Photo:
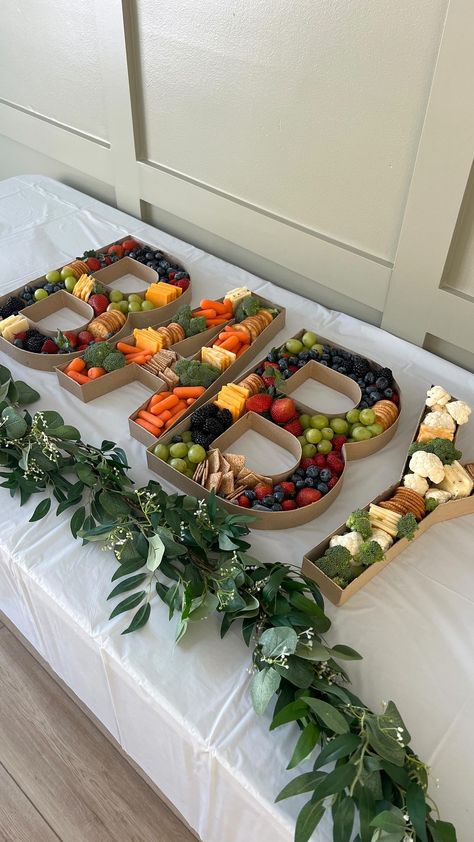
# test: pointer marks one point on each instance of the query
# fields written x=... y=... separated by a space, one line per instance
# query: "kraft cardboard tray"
x=445 y=511
x=53 y=303
x=227 y=376
x=268 y=519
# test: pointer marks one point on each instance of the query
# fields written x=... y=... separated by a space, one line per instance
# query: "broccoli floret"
x=407 y=526
x=430 y=504
x=194 y=373
x=113 y=361
x=191 y=325
x=249 y=306
x=197 y=325
x=369 y=553
x=359 y=522
x=336 y=563
x=442 y=448
x=95 y=354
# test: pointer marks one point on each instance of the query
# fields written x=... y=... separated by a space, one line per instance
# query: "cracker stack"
x=253 y=383
x=226 y=474
x=386 y=413
x=405 y=500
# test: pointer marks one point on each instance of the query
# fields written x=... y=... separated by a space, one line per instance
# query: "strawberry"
x=320 y=460
x=81 y=347
x=332 y=482
x=272 y=365
x=338 y=441
x=333 y=462
x=288 y=488
x=293 y=368
x=171 y=275
x=294 y=427
x=107 y=260
x=129 y=245
x=268 y=381
x=116 y=250
x=49 y=347
x=283 y=410
x=259 y=403
x=306 y=462
x=395 y=399
x=21 y=335
x=307 y=496
x=93 y=264
x=262 y=489
x=244 y=501
x=71 y=338
x=182 y=284
x=287 y=505
x=85 y=337
x=99 y=303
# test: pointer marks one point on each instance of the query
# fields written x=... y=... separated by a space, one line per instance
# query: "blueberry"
x=286 y=374
x=300 y=472
x=277 y=488
x=325 y=357
x=322 y=487
x=382 y=383
x=271 y=357
x=364 y=405
x=361 y=382
x=304 y=355
x=159 y=255
x=325 y=475
x=312 y=471
x=313 y=355
x=324 y=362
x=18 y=343
x=132 y=254
x=370 y=377
x=292 y=360
x=299 y=484
x=176 y=440
x=268 y=500
x=295 y=477
x=337 y=360
x=283 y=364
x=342 y=369
x=250 y=495
x=149 y=255
x=259 y=371
x=277 y=507
x=279 y=496
x=388 y=393
x=301 y=363
x=376 y=395
x=255 y=503
x=353 y=377
x=310 y=482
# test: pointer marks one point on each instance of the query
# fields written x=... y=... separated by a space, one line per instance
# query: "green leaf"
x=305 y=745
x=416 y=809
x=14 y=425
x=396 y=773
x=328 y=714
x=127 y=585
x=156 y=549
x=107 y=445
x=317 y=618
x=443 y=832
x=343 y=813
x=341 y=746
x=366 y=813
x=385 y=745
x=275 y=642
x=4 y=387
x=85 y=474
x=313 y=652
x=12 y=392
x=212 y=506
x=226 y=543
x=335 y=781
x=308 y=819
x=77 y=520
x=270 y=590
x=297 y=672
x=113 y=504
x=52 y=419
x=41 y=510
x=264 y=684
x=26 y=394
x=390 y=820
x=306 y=782
x=127 y=568
x=66 y=503
x=139 y=619
x=130 y=602
x=290 y=713
x=5 y=374
x=207 y=606
x=345 y=653
x=172 y=548
x=66 y=432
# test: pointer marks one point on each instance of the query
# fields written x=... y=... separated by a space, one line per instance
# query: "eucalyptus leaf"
x=156 y=549
x=127 y=585
x=306 y=782
x=390 y=820
x=277 y=642
x=13 y=424
x=127 y=603
x=4 y=387
x=308 y=819
x=343 y=813
x=290 y=713
x=41 y=510
x=341 y=746
x=139 y=619
x=345 y=653
x=328 y=714
x=26 y=394
x=113 y=504
x=66 y=432
x=416 y=809
x=12 y=392
x=443 y=831
x=77 y=520
x=264 y=684
x=305 y=745
x=313 y=652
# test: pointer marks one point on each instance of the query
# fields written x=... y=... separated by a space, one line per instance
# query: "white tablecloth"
x=183 y=712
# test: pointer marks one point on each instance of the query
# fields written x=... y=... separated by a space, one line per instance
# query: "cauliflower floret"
x=459 y=410
x=427 y=465
x=437 y=396
x=352 y=541
x=440 y=419
x=383 y=538
x=438 y=495
x=416 y=483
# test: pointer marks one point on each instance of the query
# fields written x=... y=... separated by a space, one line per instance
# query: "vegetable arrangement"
x=196 y=558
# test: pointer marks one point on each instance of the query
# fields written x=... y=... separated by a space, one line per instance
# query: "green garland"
x=195 y=557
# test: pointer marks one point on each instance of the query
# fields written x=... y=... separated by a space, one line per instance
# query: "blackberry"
x=212 y=427
x=11 y=307
x=225 y=417
x=32 y=332
x=210 y=410
x=203 y=439
x=35 y=343
x=360 y=367
x=387 y=373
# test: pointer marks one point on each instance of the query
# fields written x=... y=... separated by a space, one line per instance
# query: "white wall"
x=281 y=134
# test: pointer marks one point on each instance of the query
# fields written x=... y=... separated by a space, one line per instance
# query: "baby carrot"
x=96 y=372
x=231 y=344
x=165 y=415
x=217 y=321
x=176 y=410
x=189 y=391
x=126 y=349
x=139 y=359
x=173 y=419
x=147 y=416
x=214 y=305
x=146 y=426
x=208 y=314
x=168 y=403
x=158 y=398
x=78 y=378
x=75 y=365
x=190 y=401
x=243 y=349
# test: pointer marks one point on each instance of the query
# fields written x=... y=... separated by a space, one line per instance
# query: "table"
x=183 y=713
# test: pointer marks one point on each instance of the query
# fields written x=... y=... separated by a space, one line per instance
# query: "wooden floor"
x=60 y=778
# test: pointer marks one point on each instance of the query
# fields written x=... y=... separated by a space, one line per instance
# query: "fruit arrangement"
x=189 y=449
x=434 y=476
x=111 y=306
